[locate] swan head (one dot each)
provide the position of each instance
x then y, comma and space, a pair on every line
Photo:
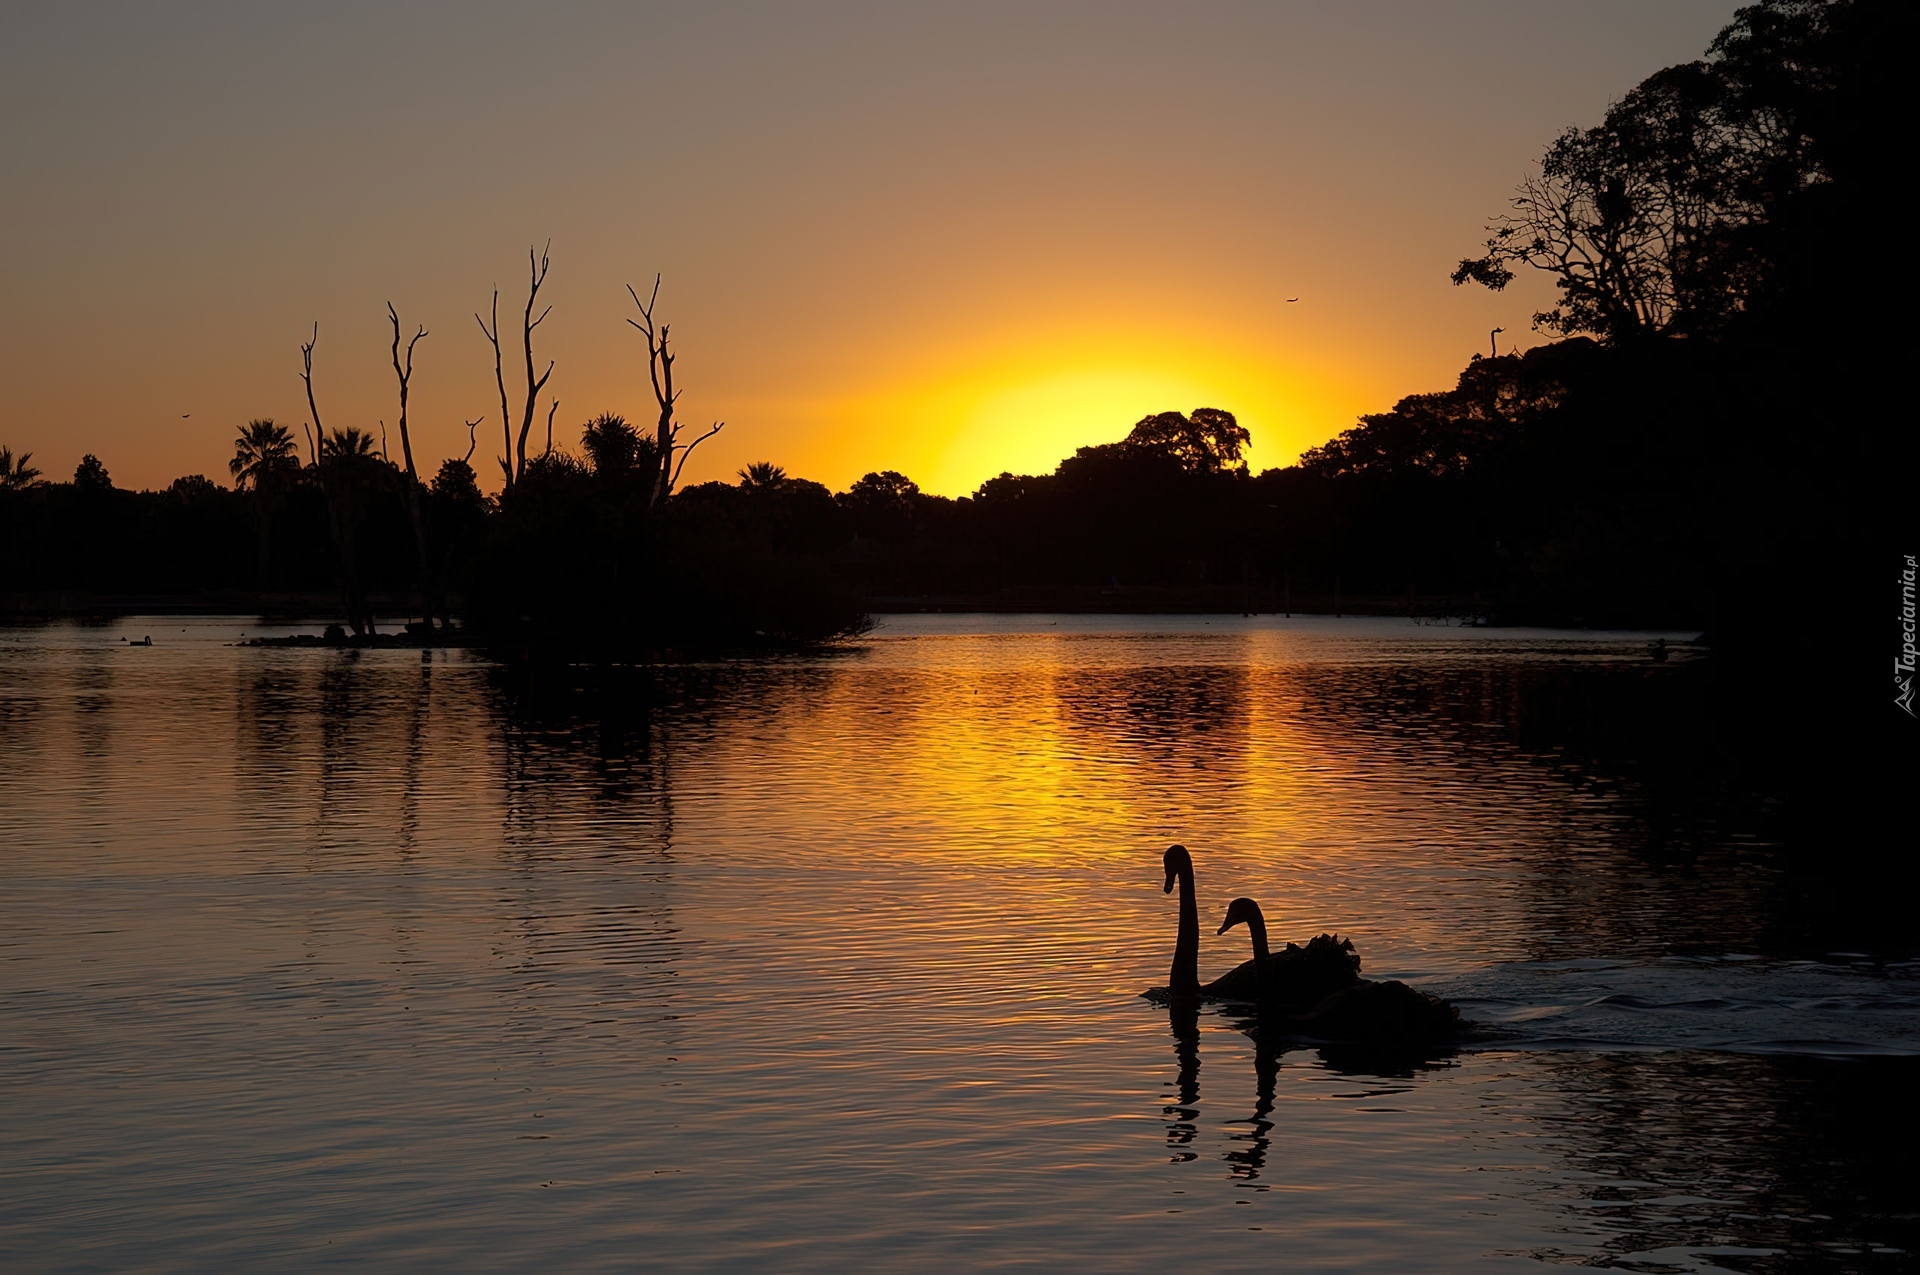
1242, 911
1177, 861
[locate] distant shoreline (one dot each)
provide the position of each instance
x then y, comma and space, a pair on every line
325, 607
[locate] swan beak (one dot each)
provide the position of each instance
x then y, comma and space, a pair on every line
1168, 887
1225, 926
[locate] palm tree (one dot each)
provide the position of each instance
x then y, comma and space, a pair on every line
763, 475
263, 454
264, 459
350, 446
348, 469
612, 445
16, 474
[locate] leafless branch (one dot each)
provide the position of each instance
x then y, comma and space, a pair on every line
306, 376
536, 275
499, 379
687, 451
404, 373
660, 359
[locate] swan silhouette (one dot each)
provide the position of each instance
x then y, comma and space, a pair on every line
1309, 993
1316, 992
1297, 978
1184, 978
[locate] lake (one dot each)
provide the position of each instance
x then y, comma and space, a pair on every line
315, 957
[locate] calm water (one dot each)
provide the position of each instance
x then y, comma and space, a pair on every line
313, 957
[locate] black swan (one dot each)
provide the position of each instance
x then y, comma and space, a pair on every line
1295, 980
1313, 992
1316, 991
1184, 978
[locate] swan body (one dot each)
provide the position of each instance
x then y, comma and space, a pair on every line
1296, 979
1369, 1013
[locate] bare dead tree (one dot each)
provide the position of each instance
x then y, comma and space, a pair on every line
306, 377
472, 440
553, 408
514, 465
403, 373
500, 379
338, 520
660, 361
536, 275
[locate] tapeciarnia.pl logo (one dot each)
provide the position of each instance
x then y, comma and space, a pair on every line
1903, 663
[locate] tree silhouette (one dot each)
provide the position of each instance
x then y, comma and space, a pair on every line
1208, 442
764, 475
614, 448
459, 517
456, 482
15, 473
91, 476
882, 504
668, 451
350, 470
514, 464
416, 512
1650, 222
266, 463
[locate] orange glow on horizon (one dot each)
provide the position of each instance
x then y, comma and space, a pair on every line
1021, 408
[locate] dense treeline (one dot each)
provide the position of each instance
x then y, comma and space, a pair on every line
1691, 442
90, 537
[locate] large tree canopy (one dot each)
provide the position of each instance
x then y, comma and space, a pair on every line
1652, 221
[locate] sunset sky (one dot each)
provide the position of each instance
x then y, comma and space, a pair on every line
950, 240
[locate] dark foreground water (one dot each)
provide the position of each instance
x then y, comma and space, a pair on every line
314, 957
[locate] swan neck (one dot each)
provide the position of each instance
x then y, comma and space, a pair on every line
1257, 926
1185, 976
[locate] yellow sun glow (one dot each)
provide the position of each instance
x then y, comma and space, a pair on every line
951, 428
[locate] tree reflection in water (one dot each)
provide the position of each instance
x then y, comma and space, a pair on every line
1786, 1163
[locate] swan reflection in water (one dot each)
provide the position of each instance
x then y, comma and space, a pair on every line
1251, 1145
1183, 1114
1248, 1159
